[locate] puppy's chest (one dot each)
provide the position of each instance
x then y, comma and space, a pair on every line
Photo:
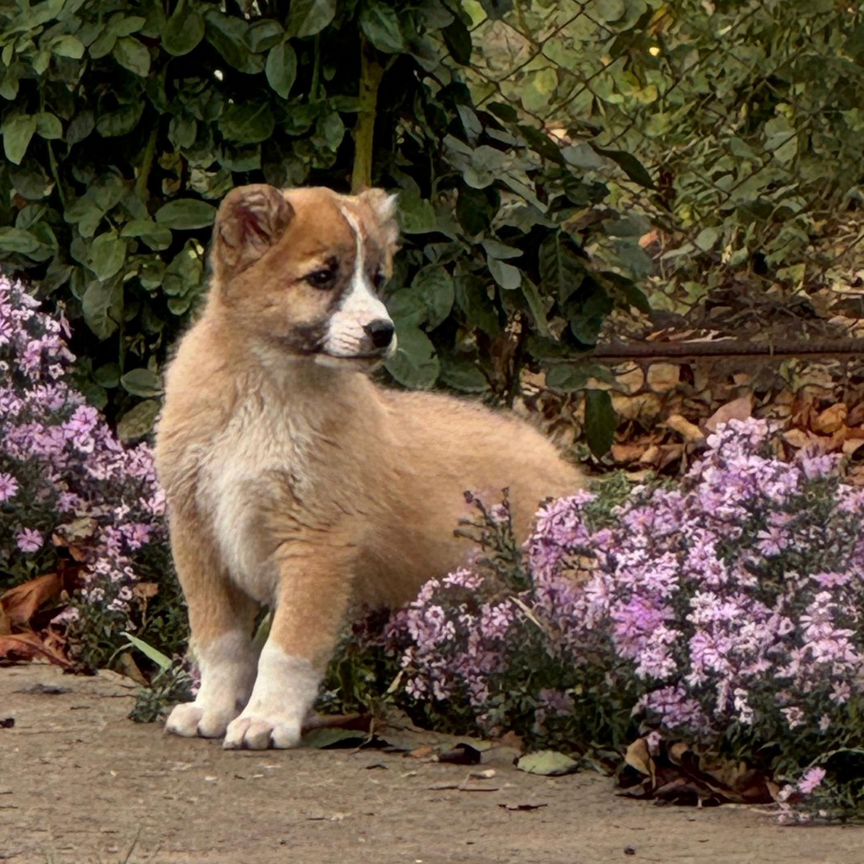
260, 458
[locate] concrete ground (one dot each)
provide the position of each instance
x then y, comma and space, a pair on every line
80, 783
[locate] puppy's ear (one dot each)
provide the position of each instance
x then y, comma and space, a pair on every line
383, 205
251, 219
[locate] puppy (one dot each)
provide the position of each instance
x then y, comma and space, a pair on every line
295, 482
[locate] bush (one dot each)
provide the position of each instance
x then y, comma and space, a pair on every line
727, 610
73, 499
123, 125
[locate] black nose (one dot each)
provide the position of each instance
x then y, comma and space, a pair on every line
380, 332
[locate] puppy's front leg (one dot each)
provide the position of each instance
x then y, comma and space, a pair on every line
221, 618
312, 601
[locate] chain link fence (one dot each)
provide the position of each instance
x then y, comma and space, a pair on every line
748, 119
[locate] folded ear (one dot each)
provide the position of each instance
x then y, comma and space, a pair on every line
250, 220
383, 205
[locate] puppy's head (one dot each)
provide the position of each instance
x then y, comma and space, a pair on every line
299, 270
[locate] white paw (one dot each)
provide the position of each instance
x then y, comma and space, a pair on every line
191, 720
255, 732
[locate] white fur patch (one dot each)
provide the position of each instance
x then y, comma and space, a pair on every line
360, 306
262, 437
227, 674
284, 692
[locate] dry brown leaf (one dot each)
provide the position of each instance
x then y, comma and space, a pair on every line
663, 377
146, 590
627, 453
669, 453
738, 409
22, 602
797, 438
851, 445
643, 407
651, 456
830, 420
639, 757
16, 647
689, 431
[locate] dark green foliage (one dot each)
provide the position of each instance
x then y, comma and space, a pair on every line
124, 124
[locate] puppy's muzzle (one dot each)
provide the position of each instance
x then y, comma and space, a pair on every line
380, 333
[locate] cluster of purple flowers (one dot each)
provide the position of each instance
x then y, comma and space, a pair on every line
65, 479
730, 602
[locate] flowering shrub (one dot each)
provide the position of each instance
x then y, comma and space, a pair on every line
70, 490
727, 609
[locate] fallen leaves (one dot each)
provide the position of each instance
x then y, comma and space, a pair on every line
549, 763
20, 608
672, 772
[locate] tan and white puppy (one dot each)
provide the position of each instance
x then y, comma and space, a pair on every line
292, 480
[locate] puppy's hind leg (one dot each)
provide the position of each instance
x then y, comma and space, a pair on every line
221, 618
313, 596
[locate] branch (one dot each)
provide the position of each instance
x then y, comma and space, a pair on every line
728, 348
371, 74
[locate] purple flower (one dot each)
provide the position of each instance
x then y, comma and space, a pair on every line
8, 487
29, 540
811, 781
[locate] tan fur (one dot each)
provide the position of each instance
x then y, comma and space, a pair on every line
304, 486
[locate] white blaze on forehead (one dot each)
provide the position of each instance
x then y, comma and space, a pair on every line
359, 306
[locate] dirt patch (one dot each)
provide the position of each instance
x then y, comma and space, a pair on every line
80, 783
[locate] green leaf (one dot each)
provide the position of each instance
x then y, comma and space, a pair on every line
308, 17
707, 238
125, 25
496, 8
415, 363
281, 68
107, 375
561, 269
416, 214
102, 305
536, 306
107, 254
139, 421
463, 375
568, 377
132, 55
227, 34
499, 250
18, 240
506, 275
80, 127
457, 38
264, 34
17, 131
142, 382
630, 165
600, 421
476, 208
68, 46
331, 130
183, 31
103, 45
151, 653
247, 123
380, 24
186, 214
549, 763
434, 289
156, 236
48, 126
120, 122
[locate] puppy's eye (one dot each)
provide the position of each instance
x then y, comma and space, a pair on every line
378, 280
321, 278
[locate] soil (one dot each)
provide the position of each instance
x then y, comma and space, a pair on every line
80, 783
